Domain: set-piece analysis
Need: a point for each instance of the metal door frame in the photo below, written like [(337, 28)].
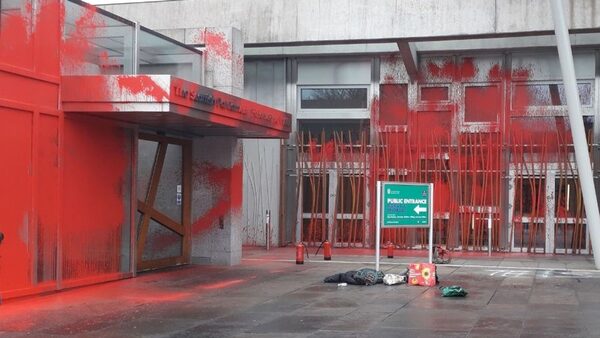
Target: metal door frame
[(148, 212)]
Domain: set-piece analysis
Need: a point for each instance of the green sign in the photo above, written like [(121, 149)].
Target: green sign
[(406, 205)]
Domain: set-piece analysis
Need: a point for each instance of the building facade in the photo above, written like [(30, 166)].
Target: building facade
[(470, 100)]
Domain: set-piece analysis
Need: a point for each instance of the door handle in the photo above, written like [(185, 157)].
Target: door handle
[(1, 236)]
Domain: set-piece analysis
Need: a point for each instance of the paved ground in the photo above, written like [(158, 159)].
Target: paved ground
[(270, 296)]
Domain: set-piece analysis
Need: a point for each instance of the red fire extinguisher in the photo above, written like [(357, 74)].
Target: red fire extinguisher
[(326, 250), (390, 250), (300, 253)]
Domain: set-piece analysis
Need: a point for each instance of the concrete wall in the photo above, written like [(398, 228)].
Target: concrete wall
[(216, 201), (264, 82), (276, 21)]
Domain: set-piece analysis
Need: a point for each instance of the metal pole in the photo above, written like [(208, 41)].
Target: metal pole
[(584, 167), (490, 234), (268, 230), (378, 225), (430, 223)]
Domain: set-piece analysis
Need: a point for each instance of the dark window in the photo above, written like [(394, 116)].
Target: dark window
[(323, 131), (333, 98)]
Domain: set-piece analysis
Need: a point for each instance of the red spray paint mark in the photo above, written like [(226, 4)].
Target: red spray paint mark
[(142, 84), (495, 73), (468, 70), (226, 185), (444, 71), (216, 44)]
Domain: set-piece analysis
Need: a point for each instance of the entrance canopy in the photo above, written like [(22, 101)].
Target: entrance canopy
[(168, 103)]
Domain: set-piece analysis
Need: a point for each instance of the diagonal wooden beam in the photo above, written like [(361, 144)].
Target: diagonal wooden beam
[(153, 188), (409, 57)]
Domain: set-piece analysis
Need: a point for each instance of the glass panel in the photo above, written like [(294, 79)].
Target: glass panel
[(570, 236), (314, 193), (333, 98), (482, 104), (161, 242), (159, 55), (138, 223), (313, 230), (532, 236), (350, 195), (169, 194), (434, 93), (532, 95), (565, 203), (530, 197), (95, 42), (349, 231), (146, 156)]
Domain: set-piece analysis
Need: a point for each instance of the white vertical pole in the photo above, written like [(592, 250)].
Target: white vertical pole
[(430, 223), (584, 167), (490, 234), (378, 225)]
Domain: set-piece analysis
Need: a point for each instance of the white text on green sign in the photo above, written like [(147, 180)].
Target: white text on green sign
[(406, 205)]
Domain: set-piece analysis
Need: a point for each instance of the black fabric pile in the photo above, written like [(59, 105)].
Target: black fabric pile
[(364, 276)]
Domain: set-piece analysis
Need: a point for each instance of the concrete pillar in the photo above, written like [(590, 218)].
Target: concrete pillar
[(223, 57), (217, 201), (218, 161)]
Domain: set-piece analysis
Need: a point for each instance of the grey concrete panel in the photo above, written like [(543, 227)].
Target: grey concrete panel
[(272, 21)]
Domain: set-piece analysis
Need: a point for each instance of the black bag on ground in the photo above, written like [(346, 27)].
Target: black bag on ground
[(344, 277)]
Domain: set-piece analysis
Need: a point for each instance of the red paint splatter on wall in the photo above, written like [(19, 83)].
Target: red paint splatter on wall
[(468, 69), (226, 186), (216, 43), (495, 73), (445, 70)]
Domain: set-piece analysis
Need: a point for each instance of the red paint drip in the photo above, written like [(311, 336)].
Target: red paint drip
[(495, 73), (469, 70)]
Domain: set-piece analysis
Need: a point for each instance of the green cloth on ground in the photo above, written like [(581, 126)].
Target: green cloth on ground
[(453, 291)]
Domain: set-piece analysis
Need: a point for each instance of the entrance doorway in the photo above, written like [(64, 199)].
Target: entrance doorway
[(164, 201)]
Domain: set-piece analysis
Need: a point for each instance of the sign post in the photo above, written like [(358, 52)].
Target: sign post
[(404, 205)]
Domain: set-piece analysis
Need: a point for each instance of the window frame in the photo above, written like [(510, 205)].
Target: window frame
[(333, 113)]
